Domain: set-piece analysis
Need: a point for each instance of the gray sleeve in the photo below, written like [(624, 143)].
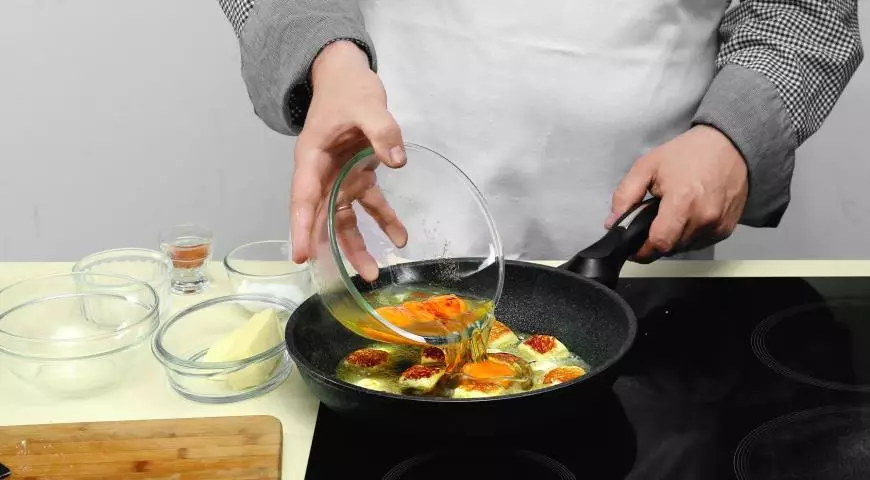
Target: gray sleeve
[(280, 40), (783, 66), (747, 108)]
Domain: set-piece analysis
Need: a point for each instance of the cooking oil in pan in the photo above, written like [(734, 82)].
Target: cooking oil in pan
[(526, 376), (465, 361)]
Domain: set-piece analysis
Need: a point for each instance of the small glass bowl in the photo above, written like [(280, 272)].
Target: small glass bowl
[(182, 341), (75, 334), (150, 266), (265, 268), (452, 244)]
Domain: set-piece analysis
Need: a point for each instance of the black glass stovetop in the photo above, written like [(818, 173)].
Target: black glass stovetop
[(752, 378)]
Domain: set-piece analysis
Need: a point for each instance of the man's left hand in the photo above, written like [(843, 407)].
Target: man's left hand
[(701, 179)]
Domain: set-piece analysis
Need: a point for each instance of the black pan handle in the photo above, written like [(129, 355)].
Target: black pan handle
[(603, 260)]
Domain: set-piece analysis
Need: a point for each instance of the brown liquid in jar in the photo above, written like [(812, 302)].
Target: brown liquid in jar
[(189, 256)]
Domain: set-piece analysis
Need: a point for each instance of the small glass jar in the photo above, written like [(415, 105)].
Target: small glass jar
[(190, 248)]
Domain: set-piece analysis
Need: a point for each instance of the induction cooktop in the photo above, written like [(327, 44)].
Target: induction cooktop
[(730, 378)]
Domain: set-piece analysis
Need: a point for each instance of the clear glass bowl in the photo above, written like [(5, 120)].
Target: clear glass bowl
[(182, 342), (143, 264), (452, 244), (265, 268), (76, 334)]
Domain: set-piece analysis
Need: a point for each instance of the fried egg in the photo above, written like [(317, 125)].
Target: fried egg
[(367, 358), (421, 378), (432, 356), (374, 384), (478, 390), (542, 349), (507, 358), (501, 337), (562, 374)]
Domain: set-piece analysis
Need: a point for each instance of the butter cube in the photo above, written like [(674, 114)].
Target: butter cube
[(257, 335)]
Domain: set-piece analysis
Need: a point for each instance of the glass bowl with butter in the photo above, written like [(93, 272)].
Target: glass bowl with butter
[(218, 351)]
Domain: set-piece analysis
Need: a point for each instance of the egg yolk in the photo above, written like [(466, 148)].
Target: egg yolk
[(487, 369)]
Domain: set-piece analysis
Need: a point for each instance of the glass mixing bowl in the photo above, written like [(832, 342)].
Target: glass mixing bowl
[(146, 265), (75, 334), (445, 242), (265, 268)]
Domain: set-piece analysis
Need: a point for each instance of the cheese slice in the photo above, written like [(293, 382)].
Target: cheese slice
[(257, 335)]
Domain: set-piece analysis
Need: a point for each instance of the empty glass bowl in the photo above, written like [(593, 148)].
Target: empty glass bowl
[(445, 242), (143, 264), (252, 362), (265, 267), (75, 334)]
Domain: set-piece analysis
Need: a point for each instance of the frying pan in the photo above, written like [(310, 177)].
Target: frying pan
[(574, 302)]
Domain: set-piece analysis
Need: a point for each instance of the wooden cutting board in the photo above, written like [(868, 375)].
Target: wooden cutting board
[(246, 447)]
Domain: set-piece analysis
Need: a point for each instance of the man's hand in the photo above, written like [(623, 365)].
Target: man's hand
[(348, 113), (701, 179)]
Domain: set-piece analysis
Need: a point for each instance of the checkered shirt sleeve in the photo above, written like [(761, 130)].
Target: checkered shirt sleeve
[(808, 49), (299, 96), (237, 12)]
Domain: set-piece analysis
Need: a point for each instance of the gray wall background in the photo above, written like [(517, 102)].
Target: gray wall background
[(119, 117)]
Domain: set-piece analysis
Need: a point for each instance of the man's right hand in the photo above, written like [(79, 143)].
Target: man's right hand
[(348, 113)]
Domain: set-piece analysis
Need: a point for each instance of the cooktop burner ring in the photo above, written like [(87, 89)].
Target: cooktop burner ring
[(794, 459), (761, 337), (550, 465)]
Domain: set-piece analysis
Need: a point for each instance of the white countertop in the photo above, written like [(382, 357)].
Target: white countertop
[(150, 396)]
